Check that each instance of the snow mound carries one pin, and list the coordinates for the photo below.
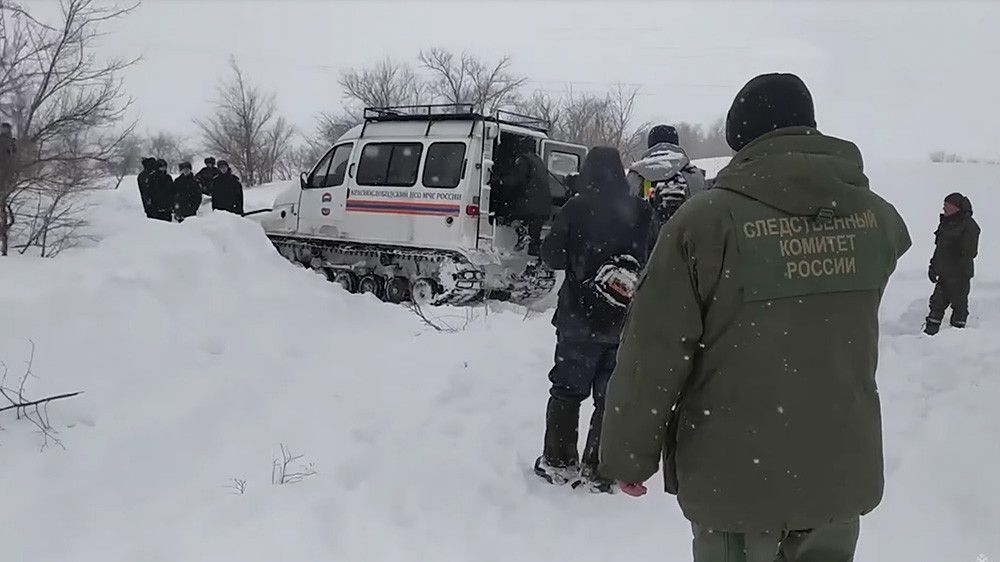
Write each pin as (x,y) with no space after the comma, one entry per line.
(200,351)
(712,166)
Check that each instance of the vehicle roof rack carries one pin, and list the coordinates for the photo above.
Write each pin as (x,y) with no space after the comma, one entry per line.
(521,120)
(450,112)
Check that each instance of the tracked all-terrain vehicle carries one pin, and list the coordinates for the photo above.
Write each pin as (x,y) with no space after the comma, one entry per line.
(400,206)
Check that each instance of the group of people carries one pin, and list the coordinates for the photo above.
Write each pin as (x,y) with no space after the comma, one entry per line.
(729,335)
(664,176)
(167,198)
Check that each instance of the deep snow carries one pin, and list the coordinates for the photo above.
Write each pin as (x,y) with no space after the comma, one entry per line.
(200,351)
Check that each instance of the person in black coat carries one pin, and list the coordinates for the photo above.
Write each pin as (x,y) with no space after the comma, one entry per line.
(207,175)
(161,193)
(952,266)
(227,191)
(522,192)
(593,231)
(187,193)
(145,188)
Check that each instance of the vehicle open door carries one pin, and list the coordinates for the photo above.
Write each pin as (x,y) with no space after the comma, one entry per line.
(561,159)
(486,229)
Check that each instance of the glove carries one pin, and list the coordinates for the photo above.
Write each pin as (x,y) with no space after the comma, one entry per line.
(932,275)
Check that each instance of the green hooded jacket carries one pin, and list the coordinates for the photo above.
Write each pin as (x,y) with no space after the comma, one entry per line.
(754,336)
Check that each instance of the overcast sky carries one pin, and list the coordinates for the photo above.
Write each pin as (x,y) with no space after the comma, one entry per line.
(901,78)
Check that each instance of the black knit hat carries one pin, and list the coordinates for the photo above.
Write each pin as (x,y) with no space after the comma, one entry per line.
(210,161)
(660,134)
(222,163)
(184,166)
(766,103)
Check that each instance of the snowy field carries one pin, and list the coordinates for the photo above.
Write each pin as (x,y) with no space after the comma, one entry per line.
(200,351)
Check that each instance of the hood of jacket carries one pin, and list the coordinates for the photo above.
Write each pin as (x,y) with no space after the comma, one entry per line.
(661,162)
(799,171)
(603,172)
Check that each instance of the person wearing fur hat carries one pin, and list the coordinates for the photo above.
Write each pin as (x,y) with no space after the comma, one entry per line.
(145,186)
(227,191)
(187,193)
(161,192)
(956,244)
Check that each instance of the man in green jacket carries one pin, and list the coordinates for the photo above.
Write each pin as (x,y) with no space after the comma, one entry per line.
(748,358)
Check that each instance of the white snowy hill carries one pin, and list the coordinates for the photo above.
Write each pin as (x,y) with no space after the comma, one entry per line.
(200,351)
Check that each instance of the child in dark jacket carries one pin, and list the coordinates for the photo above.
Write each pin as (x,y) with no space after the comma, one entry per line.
(956,245)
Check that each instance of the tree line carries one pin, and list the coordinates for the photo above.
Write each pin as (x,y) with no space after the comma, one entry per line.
(68,113)
(247,129)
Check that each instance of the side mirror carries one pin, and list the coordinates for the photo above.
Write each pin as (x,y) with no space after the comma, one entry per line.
(303,180)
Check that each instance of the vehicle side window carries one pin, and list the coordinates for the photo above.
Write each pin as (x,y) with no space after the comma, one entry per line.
(332,168)
(445,164)
(338,165)
(389,164)
(319,172)
(563,163)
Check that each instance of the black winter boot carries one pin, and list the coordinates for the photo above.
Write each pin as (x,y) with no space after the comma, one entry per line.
(559,462)
(932,327)
(590,478)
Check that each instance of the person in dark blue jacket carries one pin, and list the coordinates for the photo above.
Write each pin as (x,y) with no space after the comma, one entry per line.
(601,238)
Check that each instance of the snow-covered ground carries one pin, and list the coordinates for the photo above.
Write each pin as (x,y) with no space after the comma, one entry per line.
(200,351)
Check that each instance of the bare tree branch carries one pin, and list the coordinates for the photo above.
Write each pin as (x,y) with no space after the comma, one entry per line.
(66,106)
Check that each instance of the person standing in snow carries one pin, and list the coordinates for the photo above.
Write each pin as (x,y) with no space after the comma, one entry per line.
(956,244)
(227,191)
(145,186)
(207,175)
(664,174)
(187,193)
(748,359)
(601,238)
(161,193)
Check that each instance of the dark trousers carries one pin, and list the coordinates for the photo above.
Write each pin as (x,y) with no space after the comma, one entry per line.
(835,542)
(160,214)
(953,292)
(582,369)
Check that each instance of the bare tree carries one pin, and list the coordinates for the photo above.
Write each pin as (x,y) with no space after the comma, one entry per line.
(172,148)
(464,78)
(386,84)
(127,159)
(66,107)
(590,119)
(543,105)
(246,129)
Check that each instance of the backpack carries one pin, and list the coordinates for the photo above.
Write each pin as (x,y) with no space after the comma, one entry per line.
(668,195)
(606,296)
